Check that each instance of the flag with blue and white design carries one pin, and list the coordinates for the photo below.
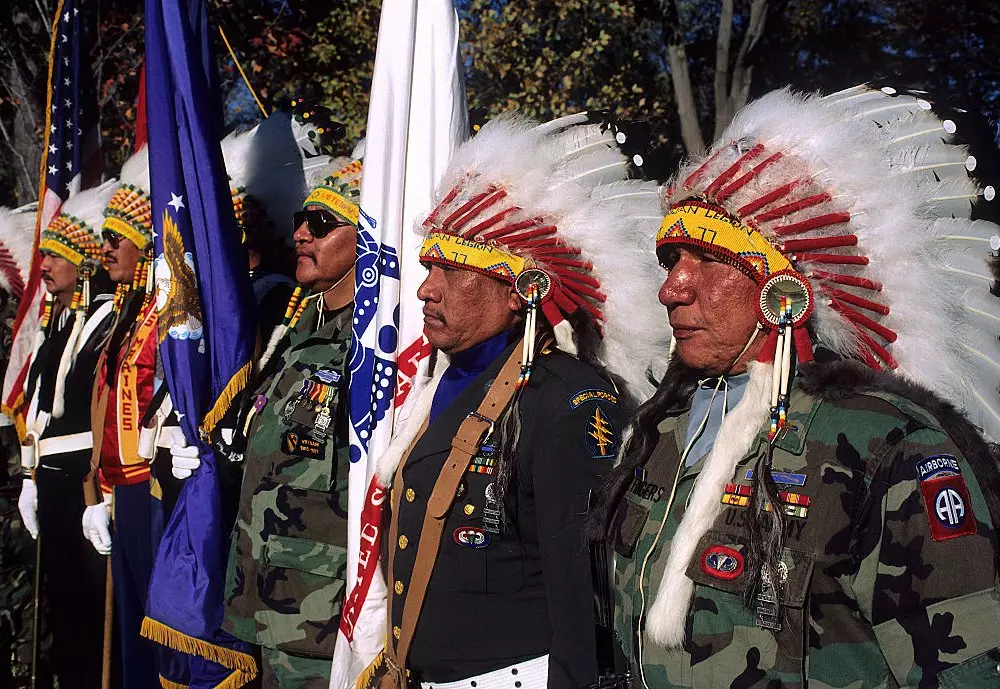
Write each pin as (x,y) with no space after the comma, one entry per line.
(416,117)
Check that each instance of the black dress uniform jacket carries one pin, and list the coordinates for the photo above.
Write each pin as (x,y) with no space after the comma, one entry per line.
(495,599)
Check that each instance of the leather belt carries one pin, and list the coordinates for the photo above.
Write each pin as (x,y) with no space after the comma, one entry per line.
(530,674)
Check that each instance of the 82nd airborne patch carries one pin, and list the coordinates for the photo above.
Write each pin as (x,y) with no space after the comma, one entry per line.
(946,497)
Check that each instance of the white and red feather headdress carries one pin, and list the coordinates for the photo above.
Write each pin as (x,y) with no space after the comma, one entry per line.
(550,208)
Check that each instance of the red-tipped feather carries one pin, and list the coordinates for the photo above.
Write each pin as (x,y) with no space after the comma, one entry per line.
(507,229)
(879,351)
(818,243)
(831,258)
(824,220)
(742,181)
(580,301)
(696,175)
(447,200)
(789,208)
(733,169)
(854,299)
(447,224)
(491,221)
(769,197)
(860,319)
(582,265)
(849,280)
(524,237)
(578,277)
(490,200)
(803,345)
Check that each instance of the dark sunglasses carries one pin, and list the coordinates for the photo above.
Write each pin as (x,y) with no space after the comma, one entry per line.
(319,223)
(112,238)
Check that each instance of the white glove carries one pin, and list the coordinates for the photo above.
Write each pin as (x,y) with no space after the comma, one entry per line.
(184,458)
(96,526)
(27,505)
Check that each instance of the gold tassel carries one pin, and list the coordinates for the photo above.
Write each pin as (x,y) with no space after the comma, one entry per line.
(221,406)
(367,678)
(244,667)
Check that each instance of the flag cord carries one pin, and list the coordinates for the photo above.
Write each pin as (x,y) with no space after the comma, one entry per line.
(236,60)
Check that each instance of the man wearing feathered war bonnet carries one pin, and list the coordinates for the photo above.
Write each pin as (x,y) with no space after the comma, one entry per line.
(490,470)
(794,505)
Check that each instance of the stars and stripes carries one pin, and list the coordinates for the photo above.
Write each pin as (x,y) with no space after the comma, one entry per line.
(72,161)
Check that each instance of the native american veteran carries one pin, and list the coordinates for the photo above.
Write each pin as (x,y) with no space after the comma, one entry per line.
(286,571)
(487,565)
(78,315)
(833,526)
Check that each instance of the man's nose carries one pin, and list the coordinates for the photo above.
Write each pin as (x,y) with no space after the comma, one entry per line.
(302,234)
(680,286)
(428,290)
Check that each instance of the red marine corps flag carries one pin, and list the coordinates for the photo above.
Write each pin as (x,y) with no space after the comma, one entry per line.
(416,118)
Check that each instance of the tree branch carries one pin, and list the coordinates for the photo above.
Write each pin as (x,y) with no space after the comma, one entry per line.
(722,101)
(743,70)
(680,77)
(27,181)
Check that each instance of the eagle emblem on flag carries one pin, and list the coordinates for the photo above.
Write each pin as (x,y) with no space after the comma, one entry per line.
(177,304)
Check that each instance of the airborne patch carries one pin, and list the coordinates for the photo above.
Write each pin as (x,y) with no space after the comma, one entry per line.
(946,497)
(582,396)
(601,435)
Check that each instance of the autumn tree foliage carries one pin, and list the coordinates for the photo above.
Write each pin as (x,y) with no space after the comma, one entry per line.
(684,65)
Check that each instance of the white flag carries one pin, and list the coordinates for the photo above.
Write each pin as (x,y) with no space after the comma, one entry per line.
(416,118)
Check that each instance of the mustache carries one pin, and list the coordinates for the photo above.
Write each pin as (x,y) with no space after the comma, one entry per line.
(432,313)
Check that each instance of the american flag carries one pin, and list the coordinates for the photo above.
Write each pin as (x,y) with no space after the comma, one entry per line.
(71,161)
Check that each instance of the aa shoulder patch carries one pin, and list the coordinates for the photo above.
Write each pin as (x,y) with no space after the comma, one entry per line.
(949,510)
(582,396)
(601,435)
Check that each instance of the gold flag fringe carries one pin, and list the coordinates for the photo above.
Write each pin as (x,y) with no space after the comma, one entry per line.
(368,678)
(243,665)
(233,387)
(167,684)
(13,412)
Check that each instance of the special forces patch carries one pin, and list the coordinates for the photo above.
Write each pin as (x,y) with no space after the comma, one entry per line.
(946,497)
(582,396)
(601,435)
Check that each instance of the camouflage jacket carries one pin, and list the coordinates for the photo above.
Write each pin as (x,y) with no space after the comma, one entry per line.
(889,566)
(286,572)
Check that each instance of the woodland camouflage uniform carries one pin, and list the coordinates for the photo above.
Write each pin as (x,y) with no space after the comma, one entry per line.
(873,596)
(288,558)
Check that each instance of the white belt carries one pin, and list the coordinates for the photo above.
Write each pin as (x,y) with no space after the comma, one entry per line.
(530,674)
(74,442)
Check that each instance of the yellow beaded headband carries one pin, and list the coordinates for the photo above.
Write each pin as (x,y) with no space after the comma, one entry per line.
(129,213)
(703,225)
(452,250)
(72,239)
(340,193)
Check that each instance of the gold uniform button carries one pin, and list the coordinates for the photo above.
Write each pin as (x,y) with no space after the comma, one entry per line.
(396,631)
(469,509)
(411,495)
(399,588)
(403,542)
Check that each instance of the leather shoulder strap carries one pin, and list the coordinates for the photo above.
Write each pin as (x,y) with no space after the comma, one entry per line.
(471,433)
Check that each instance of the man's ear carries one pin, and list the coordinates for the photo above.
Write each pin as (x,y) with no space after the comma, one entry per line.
(514,301)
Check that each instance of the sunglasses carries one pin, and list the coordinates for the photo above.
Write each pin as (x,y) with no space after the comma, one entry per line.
(112,238)
(319,223)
